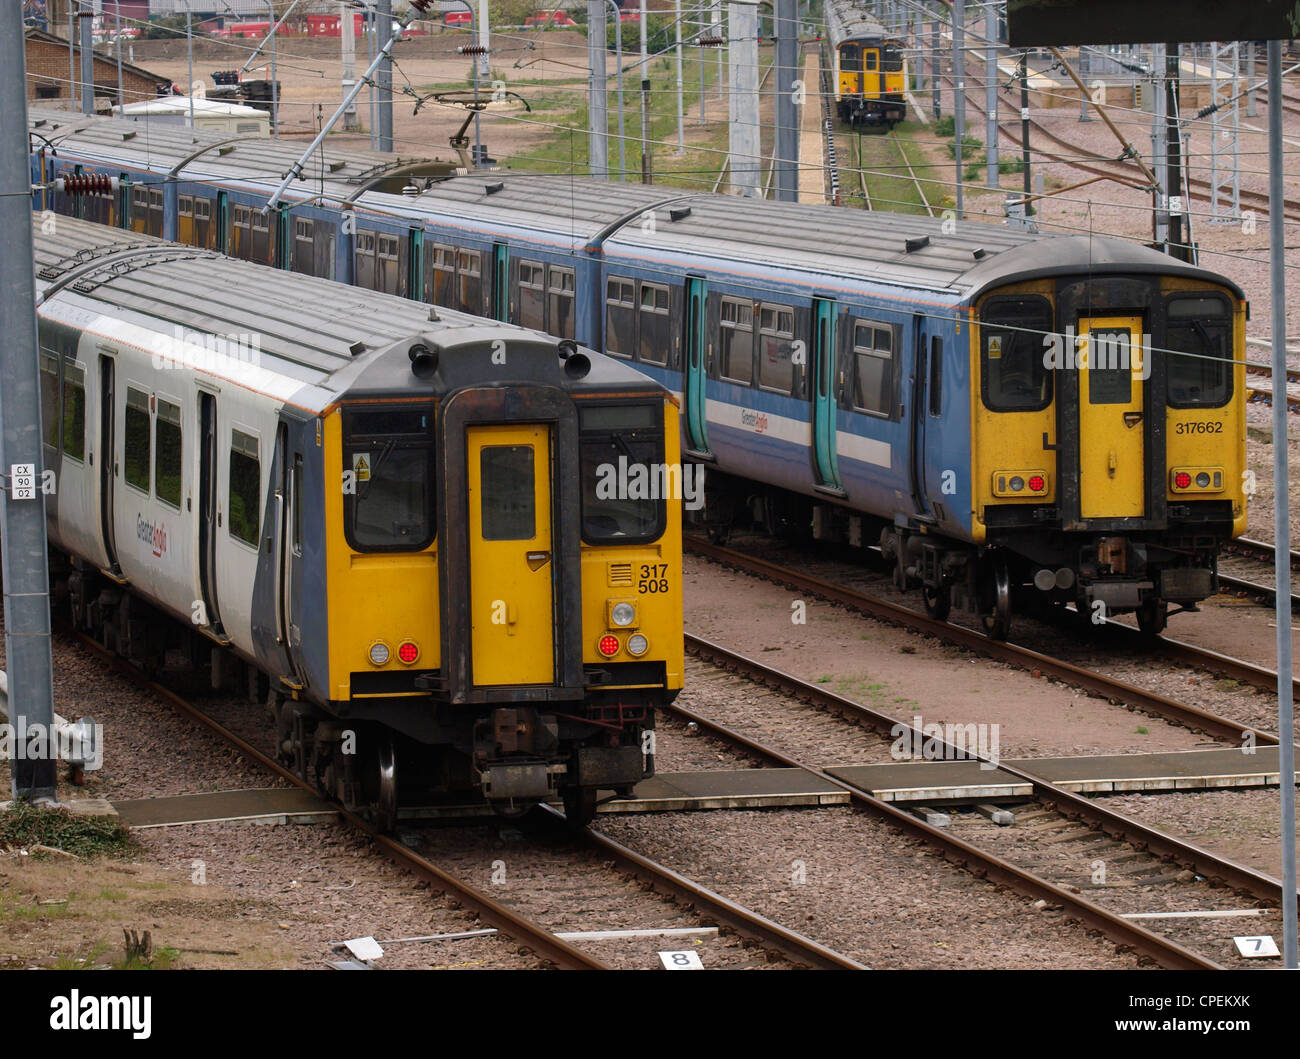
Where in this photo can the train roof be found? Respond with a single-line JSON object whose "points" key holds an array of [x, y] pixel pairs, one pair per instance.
{"points": [[846, 21], [159, 147], [318, 339]]}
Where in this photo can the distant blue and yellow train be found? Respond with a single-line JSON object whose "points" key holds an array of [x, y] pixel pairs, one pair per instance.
{"points": [[868, 69], [1001, 412]]}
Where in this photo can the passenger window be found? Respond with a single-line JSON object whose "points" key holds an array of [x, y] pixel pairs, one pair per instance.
{"points": [[304, 245], [1199, 364], [1012, 353], [469, 278], [873, 369], [559, 308], [936, 376], [135, 440], [74, 412], [443, 261], [620, 317], [245, 488], [167, 442], [50, 399], [776, 349], [508, 493], [531, 297], [736, 341], [654, 335]]}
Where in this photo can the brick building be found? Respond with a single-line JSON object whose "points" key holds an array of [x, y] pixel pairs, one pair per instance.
{"points": [[48, 70]]}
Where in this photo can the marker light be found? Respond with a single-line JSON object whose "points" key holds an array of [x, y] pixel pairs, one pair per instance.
{"points": [[408, 652], [622, 614], [1017, 483], [637, 645], [1183, 480], [379, 653], [608, 646], [1203, 480], [1037, 483]]}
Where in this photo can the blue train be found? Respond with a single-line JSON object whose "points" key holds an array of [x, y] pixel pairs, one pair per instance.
{"points": [[999, 411]]}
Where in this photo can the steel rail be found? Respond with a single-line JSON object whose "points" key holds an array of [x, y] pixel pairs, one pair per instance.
{"points": [[982, 863], [535, 937]]}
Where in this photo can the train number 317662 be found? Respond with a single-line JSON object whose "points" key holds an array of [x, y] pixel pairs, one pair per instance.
{"points": [[1198, 428]]}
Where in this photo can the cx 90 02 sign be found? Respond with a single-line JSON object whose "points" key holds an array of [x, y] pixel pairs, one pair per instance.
{"points": [[1035, 23]]}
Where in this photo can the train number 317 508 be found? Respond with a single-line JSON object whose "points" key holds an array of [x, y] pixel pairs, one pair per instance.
{"points": [[654, 578]]}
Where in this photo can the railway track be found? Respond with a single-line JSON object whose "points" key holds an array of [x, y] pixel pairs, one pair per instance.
{"points": [[1116, 691], [707, 904], [1086, 814]]}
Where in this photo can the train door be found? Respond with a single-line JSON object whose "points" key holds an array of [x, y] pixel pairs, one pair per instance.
{"points": [[824, 399], [288, 553], [512, 614], [208, 509], [413, 281], [108, 462], [1112, 462], [500, 282], [695, 369], [223, 223], [873, 78]]}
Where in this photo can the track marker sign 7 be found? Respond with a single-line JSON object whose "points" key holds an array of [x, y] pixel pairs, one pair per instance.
{"points": [[22, 481], [1255, 946]]}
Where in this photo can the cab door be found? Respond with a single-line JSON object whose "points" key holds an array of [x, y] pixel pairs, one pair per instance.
{"points": [[1112, 405], [512, 614]]}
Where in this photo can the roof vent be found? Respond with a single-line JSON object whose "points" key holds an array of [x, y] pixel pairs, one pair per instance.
{"points": [[434, 318], [680, 213], [128, 136], [334, 167], [357, 348], [979, 253], [917, 244], [492, 189], [223, 151]]}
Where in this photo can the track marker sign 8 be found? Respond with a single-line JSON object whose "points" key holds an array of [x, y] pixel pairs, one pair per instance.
{"points": [[682, 960], [22, 481], [1256, 946]]}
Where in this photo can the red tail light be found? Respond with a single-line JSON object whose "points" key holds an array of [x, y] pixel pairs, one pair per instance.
{"points": [[608, 646]]}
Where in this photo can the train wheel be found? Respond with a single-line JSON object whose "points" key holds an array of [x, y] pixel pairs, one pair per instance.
{"points": [[938, 602], [579, 806], [995, 599], [1152, 617], [384, 811]]}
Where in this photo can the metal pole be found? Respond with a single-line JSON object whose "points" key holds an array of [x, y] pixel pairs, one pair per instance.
{"points": [[1177, 240], [1159, 151], [481, 30], [991, 95], [646, 161], [384, 80], [275, 84], [618, 52], [681, 102], [1024, 130], [348, 34], [936, 102], [370, 23], [1281, 506], [701, 38], [785, 25], [742, 57], [117, 11], [598, 107], [24, 565], [1250, 80], [189, 57], [959, 88], [72, 54], [86, 45]]}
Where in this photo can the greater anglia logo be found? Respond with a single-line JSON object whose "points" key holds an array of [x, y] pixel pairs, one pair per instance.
{"points": [[153, 534]]}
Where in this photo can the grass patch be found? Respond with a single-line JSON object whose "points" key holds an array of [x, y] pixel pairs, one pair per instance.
{"points": [[1140, 730], [24, 825]]}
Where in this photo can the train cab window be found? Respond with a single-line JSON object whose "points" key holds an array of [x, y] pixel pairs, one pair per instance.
{"points": [[776, 349], [531, 299], [508, 492], [1199, 366], [74, 412], [653, 326], [624, 480], [892, 60], [620, 317], [873, 369], [736, 341], [388, 505], [469, 280], [136, 443], [245, 488], [1014, 374], [559, 300], [442, 263], [850, 58], [167, 443]]}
